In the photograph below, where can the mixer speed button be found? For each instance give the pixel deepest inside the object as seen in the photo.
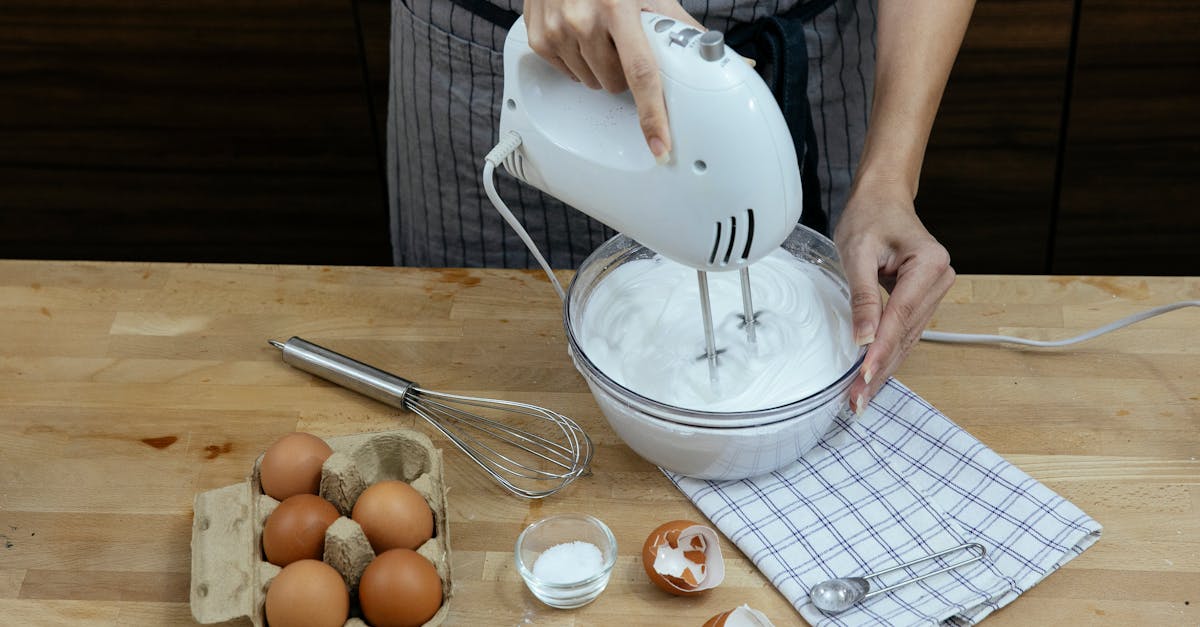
(684, 36)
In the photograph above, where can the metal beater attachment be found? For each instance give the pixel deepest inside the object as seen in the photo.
(749, 318)
(532, 462)
(749, 321)
(710, 342)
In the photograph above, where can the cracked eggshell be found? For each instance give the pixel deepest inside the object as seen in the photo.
(744, 616)
(682, 557)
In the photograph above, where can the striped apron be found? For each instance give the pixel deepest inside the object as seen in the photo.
(443, 117)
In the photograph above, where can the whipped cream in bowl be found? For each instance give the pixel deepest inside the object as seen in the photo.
(634, 329)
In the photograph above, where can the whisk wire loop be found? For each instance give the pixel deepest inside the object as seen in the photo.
(533, 458)
(458, 414)
(433, 411)
(498, 457)
(497, 472)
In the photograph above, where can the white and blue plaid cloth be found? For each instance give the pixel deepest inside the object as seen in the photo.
(898, 483)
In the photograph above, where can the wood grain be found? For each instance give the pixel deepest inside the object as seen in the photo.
(216, 130)
(127, 388)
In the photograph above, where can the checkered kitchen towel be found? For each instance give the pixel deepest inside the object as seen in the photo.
(895, 484)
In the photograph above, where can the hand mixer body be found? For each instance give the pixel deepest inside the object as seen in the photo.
(731, 192)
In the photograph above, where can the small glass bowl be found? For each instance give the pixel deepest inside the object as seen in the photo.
(563, 528)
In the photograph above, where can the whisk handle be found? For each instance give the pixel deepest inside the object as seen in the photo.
(353, 375)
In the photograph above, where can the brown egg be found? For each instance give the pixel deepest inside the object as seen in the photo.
(296, 529)
(292, 465)
(399, 588)
(307, 593)
(393, 516)
(683, 557)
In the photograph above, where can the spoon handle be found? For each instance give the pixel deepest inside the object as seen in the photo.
(972, 545)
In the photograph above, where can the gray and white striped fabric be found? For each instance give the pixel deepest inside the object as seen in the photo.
(444, 111)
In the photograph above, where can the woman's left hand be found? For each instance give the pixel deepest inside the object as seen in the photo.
(882, 243)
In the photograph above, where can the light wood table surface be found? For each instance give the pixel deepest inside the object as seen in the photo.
(125, 389)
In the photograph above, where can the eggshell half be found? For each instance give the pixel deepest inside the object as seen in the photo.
(682, 557)
(744, 616)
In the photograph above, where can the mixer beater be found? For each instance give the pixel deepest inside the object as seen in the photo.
(749, 318)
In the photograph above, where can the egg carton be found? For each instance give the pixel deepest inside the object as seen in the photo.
(230, 575)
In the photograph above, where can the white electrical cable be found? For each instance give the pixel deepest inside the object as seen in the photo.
(972, 338)
(508, 144)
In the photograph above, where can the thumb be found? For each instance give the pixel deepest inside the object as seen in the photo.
(866, 303)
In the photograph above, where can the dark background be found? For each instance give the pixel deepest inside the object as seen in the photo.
(231, 131)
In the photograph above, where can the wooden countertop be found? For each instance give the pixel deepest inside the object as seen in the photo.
(125, 389)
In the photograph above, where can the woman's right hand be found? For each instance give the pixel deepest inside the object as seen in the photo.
(601, 44)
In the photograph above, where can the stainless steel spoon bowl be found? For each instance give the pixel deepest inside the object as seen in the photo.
(838, 595)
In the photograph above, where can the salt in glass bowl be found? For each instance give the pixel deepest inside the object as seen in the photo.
(559, 529)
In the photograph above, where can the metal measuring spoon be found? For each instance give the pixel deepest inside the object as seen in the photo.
(838, 595)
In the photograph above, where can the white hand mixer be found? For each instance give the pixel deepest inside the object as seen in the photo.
(731, 192)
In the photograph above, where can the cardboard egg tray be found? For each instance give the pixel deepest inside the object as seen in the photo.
(230, 575)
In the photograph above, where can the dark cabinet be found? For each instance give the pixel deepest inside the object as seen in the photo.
(1130, 197)
(1067, 140)
(988, 185)
(185, 131)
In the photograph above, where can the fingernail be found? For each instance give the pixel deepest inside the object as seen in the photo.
(864, 335)
(660, 151)
(750, 62)
(859, 406)
(867, 374)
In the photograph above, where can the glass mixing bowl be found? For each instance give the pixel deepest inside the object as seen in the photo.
(707, 444)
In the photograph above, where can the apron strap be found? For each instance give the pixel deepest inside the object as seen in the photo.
(495, 14)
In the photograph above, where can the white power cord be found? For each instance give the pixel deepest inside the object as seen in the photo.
(508, 144)
(973, 338)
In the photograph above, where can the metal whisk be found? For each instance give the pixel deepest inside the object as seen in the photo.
(528, 464)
